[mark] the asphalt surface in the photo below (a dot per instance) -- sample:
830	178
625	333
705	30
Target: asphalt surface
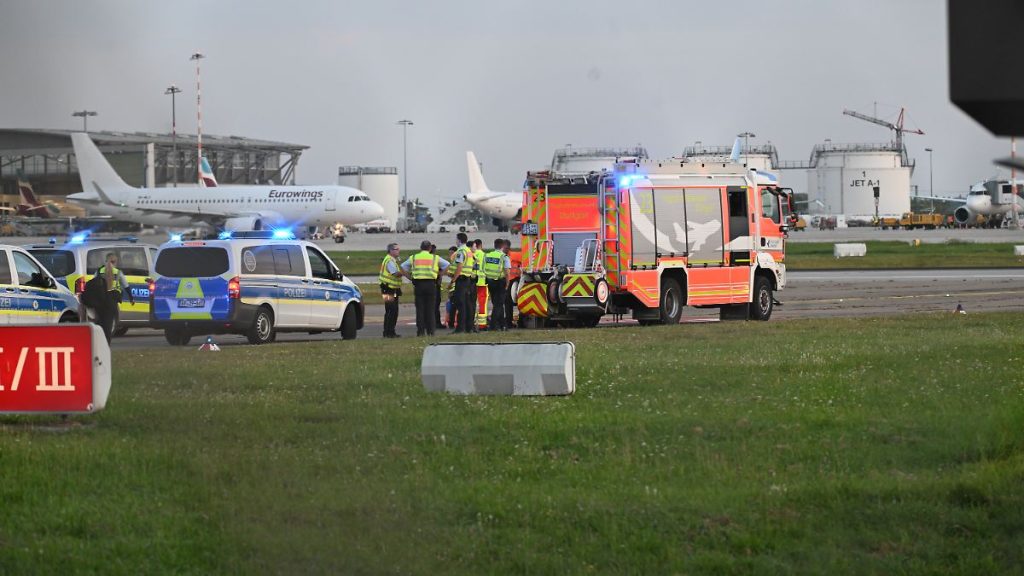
811	294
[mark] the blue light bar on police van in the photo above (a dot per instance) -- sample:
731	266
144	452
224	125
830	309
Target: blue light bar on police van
175	238
77	239
283	234
225	235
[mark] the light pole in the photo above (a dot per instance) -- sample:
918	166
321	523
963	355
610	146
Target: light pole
84	114
172	90
746	145
199	118
931	181
405	163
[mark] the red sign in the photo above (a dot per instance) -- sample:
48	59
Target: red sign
46	368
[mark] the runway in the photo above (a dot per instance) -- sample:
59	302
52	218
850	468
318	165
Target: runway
809	294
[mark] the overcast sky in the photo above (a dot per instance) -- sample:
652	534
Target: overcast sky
509	80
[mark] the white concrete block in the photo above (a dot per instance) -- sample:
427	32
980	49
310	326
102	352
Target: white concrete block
1018	250
847	250
512	369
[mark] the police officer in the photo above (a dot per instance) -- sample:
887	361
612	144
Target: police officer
480	294
424	268
391	289
465	286
508	292
116	285
496	271
437	293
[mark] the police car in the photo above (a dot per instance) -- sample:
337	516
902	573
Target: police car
251	283
29	294
76	261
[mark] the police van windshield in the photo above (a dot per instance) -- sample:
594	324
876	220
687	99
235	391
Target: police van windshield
192	262
59	262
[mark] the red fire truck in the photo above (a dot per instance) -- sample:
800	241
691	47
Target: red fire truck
648	238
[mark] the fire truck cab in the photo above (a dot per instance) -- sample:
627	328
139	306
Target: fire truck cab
650	237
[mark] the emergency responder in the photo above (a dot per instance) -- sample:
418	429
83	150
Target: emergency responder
506	248
450	308
424	268
116	286
496	271
391	289
437	293
480	295
465	287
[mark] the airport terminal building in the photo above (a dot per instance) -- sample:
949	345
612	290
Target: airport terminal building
46	159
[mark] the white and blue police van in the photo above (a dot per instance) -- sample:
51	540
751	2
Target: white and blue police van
251	283
75	261
29	294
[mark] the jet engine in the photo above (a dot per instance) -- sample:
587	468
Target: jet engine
964	216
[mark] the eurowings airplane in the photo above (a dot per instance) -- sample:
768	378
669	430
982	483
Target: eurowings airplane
228	208
206	176
498	205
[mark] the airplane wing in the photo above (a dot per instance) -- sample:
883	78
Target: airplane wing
941	199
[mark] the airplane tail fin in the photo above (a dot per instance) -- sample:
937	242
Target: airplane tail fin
735	156
28	197
476	178
98	176
206	176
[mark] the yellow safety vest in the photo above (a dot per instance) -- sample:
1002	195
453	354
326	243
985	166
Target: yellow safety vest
478	267
424	266
387	278
116	286
467	262
494	265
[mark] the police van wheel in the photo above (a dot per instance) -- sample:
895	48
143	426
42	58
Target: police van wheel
262	331
348	326
177	337
120	329
761	307
68	318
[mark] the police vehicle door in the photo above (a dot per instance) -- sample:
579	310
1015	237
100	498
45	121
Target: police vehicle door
293	286
325	300
8	291
34	300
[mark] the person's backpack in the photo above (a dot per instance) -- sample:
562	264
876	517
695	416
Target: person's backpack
95	291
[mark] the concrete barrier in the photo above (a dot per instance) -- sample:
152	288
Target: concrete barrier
1018	250
513	369
848	250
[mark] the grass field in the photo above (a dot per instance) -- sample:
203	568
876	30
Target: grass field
868	446
812	256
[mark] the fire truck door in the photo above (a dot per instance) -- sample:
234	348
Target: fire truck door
739	245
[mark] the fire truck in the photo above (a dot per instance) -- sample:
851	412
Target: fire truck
648	238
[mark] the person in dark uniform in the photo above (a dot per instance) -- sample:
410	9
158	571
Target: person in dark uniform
390	278
116	286
437	299
424	268
465	286
496	271
509	304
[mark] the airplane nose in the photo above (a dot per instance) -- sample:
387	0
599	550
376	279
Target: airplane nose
376	210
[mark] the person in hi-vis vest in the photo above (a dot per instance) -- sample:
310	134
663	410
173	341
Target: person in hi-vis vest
117	285
390	278
480	296
424	268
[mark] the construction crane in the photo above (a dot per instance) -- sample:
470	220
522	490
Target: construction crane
897	127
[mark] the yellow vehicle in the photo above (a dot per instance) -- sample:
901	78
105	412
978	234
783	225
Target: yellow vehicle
911	221
74	262
889	222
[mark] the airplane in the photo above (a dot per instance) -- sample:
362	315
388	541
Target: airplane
501	206
30	206
230	208
992	200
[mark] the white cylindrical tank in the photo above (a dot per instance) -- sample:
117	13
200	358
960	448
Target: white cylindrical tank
845	177
379	183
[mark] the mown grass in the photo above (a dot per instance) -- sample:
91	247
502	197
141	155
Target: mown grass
815	256
818	255
862	446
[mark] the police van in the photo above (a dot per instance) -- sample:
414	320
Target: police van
29	294
251	283
76	261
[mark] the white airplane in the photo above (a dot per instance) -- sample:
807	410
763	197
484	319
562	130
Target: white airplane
992	199
501	206
229	208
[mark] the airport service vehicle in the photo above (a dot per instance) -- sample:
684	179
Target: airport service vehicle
76	261
251	283
338	233
467	226
649	238
218	208
911	221
29	294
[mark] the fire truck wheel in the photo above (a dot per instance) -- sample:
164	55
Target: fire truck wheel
513	290
553	291
671	301
601	292
761	307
